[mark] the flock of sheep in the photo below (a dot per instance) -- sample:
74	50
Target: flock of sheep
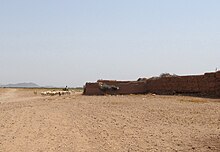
52	93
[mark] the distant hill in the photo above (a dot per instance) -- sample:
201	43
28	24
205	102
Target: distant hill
21	85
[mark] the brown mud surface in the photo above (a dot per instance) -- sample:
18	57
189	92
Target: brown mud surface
72	123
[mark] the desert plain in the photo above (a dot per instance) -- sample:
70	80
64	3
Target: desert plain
30	122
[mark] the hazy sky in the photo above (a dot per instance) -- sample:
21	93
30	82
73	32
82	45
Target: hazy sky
69	42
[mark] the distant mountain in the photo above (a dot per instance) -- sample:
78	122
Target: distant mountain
21	85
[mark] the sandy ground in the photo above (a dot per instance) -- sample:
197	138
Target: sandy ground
75	123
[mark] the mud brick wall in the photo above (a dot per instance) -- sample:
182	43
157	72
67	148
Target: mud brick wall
218	83
171	85
125	87
92	89
207	84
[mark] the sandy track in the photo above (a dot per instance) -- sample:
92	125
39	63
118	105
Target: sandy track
108	123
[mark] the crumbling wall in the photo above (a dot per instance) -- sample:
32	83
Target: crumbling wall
92	89
207	84
125	87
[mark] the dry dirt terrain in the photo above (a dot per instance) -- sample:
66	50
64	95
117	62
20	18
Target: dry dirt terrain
77	123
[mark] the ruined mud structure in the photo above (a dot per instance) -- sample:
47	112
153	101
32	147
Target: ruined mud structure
206	85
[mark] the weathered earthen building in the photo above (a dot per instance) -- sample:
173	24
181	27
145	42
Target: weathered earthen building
207	84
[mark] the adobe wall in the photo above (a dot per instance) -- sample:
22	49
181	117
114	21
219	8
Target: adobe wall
217	85
92	89
207	84
125	87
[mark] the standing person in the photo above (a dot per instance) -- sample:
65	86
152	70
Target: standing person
65	89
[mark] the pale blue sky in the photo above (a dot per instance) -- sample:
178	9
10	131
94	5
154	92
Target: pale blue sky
69	42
